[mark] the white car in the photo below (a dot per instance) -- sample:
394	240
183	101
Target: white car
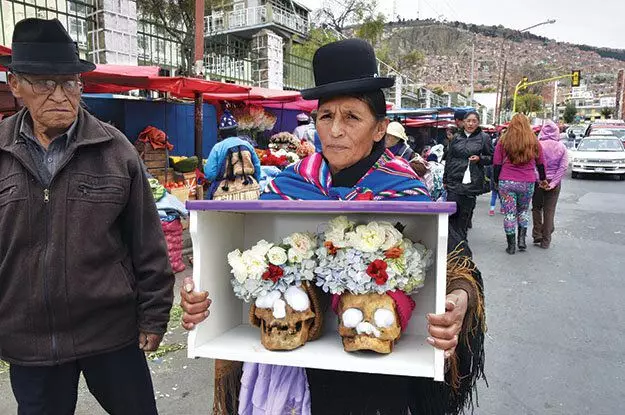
599	154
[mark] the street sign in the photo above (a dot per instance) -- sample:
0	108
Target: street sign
576	77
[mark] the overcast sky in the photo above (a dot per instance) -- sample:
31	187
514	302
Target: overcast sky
599	23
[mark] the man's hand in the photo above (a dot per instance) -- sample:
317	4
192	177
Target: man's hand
474	159
445	328
195	304
148	342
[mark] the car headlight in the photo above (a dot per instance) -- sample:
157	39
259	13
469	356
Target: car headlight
618	161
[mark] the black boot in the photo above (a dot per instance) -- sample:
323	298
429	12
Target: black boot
522	235
511	249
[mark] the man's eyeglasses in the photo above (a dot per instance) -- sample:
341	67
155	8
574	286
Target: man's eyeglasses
48	86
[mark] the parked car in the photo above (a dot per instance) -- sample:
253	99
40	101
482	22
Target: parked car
599	154
607	127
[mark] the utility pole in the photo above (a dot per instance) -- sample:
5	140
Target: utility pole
555	102
198	69
472	70
505	61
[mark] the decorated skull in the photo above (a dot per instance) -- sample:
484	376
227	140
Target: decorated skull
287	321
368	322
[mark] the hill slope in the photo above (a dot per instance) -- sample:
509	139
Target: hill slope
447	46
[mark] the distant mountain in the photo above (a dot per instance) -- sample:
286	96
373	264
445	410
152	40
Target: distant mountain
447	46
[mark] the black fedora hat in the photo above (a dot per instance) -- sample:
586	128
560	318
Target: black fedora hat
43	47
345	67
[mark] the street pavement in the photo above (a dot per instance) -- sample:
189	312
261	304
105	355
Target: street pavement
556	317
556	341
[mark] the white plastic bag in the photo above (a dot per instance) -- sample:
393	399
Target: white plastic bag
467	175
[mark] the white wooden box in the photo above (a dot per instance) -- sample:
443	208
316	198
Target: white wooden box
218	227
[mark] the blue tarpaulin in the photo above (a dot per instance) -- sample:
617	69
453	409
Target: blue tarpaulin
176	119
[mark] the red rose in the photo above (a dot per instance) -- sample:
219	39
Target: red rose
377	271
273	273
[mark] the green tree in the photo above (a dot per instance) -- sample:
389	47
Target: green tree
570	111
318	37
177	19
529	103
349	13
606	112
372	28
407	62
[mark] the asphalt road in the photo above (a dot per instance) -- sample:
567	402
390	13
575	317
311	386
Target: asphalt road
556	319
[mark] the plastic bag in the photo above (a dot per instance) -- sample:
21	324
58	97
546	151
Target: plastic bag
467	175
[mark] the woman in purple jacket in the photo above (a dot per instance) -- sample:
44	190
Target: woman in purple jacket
545	199
517	156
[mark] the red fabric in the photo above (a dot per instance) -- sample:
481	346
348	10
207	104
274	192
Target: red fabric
157	138
416	123
122	78
404	303
173	236
405	306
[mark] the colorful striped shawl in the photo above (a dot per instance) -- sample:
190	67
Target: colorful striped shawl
310	179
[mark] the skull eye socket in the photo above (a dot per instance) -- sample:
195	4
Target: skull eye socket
351	317
268	300
297	298
384	317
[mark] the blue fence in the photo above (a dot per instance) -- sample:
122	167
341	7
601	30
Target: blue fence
176	119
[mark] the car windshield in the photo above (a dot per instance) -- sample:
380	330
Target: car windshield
600	144
607	130
618	132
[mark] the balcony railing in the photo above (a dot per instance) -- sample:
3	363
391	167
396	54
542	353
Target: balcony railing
222	22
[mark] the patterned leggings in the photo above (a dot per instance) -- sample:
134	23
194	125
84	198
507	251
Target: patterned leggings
515	198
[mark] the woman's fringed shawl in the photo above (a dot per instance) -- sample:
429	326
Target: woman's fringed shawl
227	387
466	366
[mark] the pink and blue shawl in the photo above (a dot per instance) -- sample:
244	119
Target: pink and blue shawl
310	179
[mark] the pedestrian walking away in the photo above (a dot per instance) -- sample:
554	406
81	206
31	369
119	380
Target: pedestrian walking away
517	157
545	199
86	281
470	150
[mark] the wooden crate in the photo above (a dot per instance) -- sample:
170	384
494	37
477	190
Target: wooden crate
156	161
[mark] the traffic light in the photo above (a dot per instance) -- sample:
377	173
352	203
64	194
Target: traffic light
576	77
524	84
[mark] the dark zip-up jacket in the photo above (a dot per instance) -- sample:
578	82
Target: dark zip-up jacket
457	156
83	261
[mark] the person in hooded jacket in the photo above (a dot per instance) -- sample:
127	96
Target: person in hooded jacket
470	147
545	199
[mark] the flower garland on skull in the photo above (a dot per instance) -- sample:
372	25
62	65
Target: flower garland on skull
371	269
276	278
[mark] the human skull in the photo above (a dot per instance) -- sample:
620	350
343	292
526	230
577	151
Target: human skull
287	321
368	322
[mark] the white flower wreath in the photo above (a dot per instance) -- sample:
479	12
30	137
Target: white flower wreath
371	258
270	267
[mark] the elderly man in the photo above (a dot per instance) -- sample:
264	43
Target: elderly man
85	283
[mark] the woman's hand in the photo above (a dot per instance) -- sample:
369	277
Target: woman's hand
544	184
445	328
194	304
474	159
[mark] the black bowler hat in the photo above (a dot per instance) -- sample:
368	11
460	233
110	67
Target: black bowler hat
43	47
345	67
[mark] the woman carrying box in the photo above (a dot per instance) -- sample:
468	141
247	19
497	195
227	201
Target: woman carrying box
354	165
